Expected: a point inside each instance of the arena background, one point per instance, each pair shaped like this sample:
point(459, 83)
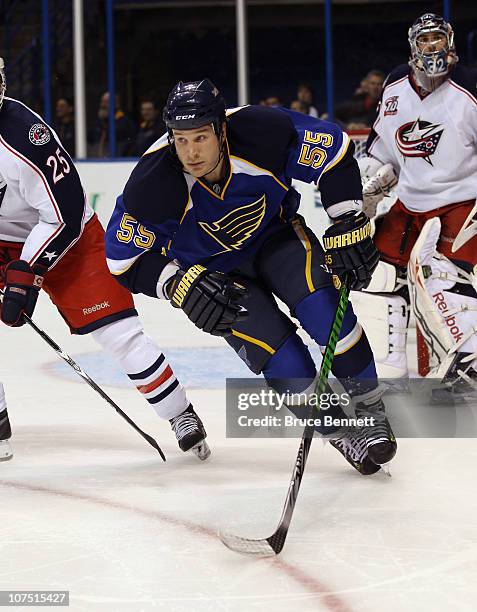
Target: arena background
point(253, 50)
point(86, 504)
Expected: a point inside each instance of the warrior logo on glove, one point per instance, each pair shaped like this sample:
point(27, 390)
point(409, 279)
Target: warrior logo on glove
point(350, 250)
point(210, 299)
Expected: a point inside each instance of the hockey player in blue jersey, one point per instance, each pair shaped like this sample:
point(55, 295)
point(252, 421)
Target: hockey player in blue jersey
point(208, 219)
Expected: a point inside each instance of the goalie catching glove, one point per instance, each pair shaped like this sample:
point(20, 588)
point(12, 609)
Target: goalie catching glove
point(209, 299)
point(378, 187)
point(350, 250)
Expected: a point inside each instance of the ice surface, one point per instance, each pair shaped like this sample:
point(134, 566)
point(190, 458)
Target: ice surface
point(88, 506)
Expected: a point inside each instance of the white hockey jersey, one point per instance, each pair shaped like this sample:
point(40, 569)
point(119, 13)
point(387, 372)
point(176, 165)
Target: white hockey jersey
point(431, 141)
point(42, 202)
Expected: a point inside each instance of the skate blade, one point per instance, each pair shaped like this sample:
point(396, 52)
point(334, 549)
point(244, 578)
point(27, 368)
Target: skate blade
point(201, 450)
point(6, 458)
point(386, 470)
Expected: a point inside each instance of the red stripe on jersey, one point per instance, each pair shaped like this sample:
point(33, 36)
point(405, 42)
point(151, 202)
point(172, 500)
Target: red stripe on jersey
point(395, 82)
point(157, 382)
point(468, 94)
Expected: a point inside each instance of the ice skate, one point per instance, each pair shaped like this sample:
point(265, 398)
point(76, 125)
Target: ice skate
point(190, 433)
point(351, 443)
point(6, 451)
point(380, 439)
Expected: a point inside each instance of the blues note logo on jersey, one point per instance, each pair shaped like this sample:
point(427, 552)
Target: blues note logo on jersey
point(237, 226)
point(419, 139)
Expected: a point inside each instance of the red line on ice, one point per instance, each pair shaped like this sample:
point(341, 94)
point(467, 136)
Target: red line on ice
point(329, 600)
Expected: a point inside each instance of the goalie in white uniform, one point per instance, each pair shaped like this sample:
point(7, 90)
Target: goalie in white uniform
point(424, 142)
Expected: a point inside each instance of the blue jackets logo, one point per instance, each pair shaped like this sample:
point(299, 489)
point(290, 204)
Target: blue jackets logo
point(419, 139)
point(237, 226)
point(39, 134)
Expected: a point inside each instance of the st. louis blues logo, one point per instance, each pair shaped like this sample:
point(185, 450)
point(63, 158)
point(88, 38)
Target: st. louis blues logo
point(237, 226)
point(39, 134)
point(419, 139)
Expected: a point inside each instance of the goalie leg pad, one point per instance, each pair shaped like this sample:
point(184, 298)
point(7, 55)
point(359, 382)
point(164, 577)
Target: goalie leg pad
point(443, 299)
point(385, 319)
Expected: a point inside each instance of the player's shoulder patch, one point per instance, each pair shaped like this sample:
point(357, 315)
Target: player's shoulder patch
point(465, 78)
point(24, 131)
point(261, 135)
point(399, 73)
point(156, 190)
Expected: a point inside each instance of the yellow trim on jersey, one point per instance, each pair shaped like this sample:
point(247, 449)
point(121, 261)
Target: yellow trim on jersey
point(263, 345)
point(166, 144)
point(222, 194)
point(343, 153)
point(351, 345)
point(186, 210)
point(299, 229)
point(125, 269)
point(235, 109)
point(259, 168)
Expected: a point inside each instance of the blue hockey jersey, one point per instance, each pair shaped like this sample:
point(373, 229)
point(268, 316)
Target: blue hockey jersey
point(166, 214)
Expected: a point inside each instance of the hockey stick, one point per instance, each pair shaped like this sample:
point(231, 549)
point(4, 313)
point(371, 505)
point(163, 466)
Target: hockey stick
point(91, 382)
point(274, 544)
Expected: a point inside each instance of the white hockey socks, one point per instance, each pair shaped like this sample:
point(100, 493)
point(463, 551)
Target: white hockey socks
point(145, 365)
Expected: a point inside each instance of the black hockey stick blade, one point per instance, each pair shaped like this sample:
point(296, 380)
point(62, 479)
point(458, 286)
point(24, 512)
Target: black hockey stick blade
point(245, 546)
point(274, 544)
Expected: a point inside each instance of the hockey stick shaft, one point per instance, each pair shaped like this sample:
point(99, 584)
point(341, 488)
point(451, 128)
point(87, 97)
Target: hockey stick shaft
point(274, 544)
point(91, 382)
point(277, 540)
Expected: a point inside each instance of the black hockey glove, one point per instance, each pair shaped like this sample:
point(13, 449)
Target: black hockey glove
point(211, 300)
point(22, 286)
point(350, 249)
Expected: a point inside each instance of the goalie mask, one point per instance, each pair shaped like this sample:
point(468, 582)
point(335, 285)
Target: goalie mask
point(433, 53)
point(3, 82)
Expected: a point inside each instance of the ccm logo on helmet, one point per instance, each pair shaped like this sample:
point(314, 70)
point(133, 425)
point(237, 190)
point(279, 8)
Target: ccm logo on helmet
point(185, 117)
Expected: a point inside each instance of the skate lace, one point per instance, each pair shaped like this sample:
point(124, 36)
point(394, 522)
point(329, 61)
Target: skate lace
point(184, 424)
point(379, 429)
point(352, 443)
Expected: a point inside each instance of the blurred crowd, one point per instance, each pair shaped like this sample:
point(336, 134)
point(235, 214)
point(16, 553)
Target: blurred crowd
point(134, 138)
point(357, 113)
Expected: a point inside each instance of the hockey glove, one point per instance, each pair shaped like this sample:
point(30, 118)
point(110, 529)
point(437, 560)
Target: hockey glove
point(378, 187)
point(350, 250)
point(209, 299)
point(22, 286)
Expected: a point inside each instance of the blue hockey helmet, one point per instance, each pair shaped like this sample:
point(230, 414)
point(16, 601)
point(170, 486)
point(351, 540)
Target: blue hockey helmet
point(194, 104)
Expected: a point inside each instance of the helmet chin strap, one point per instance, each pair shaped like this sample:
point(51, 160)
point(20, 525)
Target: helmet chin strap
point(219, 159)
